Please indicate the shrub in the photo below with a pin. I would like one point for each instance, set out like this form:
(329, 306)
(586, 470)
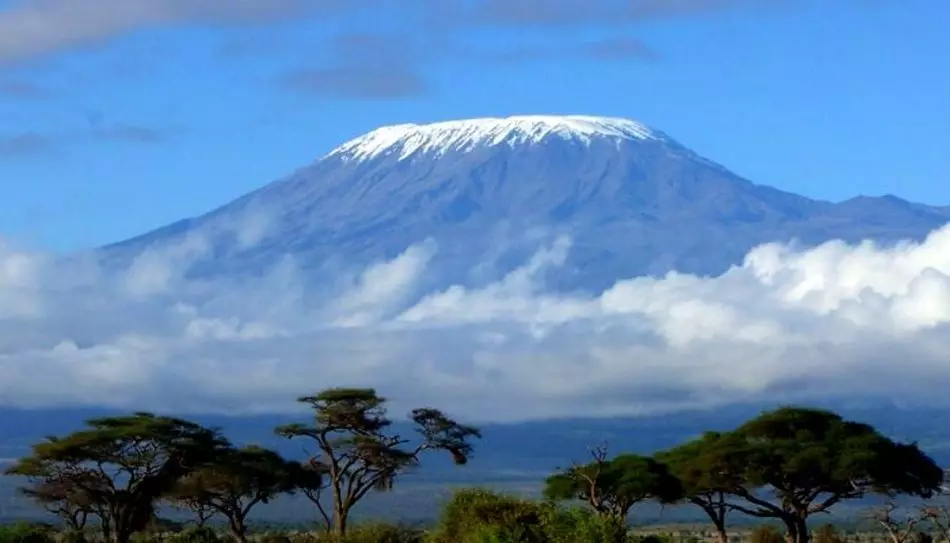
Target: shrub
(73, 536)
(481, 516)
(577, 525)
(827, 534)
(25, 533)
(383, 533)
(766, 534)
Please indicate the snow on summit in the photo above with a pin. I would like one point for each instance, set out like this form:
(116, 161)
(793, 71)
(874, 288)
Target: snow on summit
(463, 135)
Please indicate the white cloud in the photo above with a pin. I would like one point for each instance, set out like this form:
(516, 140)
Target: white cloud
(836, 321)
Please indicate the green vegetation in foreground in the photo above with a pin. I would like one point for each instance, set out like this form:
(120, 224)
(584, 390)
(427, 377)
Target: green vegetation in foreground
(784, 467)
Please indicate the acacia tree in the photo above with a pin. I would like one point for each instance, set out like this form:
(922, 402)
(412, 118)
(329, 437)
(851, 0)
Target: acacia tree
(357, 452)
(195, 504)
(236, 482)
(807, 460)
(704, 476)
(120, 467)
(612, 487)
(53, 488)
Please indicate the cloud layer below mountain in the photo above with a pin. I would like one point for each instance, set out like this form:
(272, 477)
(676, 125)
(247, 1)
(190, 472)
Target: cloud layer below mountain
(832, 322)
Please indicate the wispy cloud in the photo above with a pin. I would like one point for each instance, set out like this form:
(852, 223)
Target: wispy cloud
(23, 90)
(132, 133)
(835, 322)
(359, 83)
(29, 144)
(369, 66)
(585, 12)
(32, 28)
(26, 144)
(618, 48)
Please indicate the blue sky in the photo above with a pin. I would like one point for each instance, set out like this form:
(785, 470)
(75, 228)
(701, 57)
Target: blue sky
(118, 117)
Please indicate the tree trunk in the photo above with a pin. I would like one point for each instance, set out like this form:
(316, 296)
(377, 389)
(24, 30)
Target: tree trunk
(238, 529)
(721, 535)
(791, 531)
(120, 535)
(797, 530)
(804, 536)
(339, 520)
(239, 535)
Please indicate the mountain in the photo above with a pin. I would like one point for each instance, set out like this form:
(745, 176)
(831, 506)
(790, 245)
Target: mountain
(633, 200)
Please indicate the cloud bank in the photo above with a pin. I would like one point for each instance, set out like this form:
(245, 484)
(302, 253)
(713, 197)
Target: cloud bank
(830, 322)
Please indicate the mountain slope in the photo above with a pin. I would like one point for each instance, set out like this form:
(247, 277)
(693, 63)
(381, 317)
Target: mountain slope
(633, 200)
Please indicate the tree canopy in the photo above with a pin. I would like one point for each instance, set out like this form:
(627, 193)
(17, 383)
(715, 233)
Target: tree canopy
(704, 475)
(236, 482)
(612, 487)
(118, 467)
(794, 462)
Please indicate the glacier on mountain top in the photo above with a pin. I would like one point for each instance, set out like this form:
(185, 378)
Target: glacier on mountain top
(487, 193)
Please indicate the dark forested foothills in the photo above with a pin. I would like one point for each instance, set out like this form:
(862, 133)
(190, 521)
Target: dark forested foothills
(779, 472)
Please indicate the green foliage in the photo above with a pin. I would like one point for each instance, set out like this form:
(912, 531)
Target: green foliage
(478, 516)
(766, 534)
(25, 533)
(705, 475)
(612, 487)
(808, 460)
(236, 481)
(481, 514)
(119, 467)
(576, 525)
(379, 533)
(817, 449)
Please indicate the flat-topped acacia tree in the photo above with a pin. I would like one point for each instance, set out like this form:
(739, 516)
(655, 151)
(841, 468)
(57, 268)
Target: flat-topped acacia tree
(357, 451)
(794, 462)
(611, 487)
(704, 477)
(118, 468)
(235, 483)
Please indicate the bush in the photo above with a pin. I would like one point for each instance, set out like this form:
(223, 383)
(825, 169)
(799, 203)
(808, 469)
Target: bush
(827, 534)
(480, 516)
(383, 533)
(73, 536)
(25, 533)
(766, 534)
(577, 525)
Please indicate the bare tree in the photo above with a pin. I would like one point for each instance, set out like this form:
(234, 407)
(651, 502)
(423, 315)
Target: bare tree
(900, 528)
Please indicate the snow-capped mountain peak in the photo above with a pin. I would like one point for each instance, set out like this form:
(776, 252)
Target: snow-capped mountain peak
(633, 201)
(463, 135)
